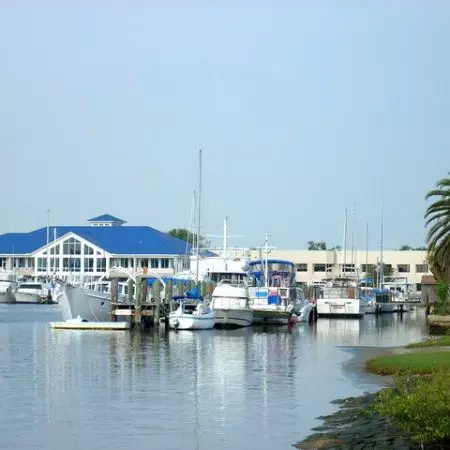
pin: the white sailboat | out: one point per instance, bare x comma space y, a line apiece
193, 313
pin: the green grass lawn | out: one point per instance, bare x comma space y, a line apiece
410, 363
442, 341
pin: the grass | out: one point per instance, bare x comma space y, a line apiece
420, 406
443, 341
410, 363
419, 403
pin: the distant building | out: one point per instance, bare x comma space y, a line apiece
315, 265
92, 250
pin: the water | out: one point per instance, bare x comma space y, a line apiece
241, 389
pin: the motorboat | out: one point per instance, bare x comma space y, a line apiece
230, 302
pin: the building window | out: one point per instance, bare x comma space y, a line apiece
72, 246
348, 268
42, 264
54, 264
88, 250
71, 264
302, 267
89, 264
143, 262
320, 267
124, 262
419, 287
101, 265
3, 263
54, 250
403, 268
21, 263
31, 263
421, 268
164, 263
154, 263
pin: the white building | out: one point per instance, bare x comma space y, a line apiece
91, 250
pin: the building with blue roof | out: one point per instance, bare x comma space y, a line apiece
93, 249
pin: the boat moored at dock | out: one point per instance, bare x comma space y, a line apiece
230, 302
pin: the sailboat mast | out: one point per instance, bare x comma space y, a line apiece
381, 272
367, 250
199, 211
266, 268
344, 268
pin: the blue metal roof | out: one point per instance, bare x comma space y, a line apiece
106, 218
128, 240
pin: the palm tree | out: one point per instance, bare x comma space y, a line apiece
438, 237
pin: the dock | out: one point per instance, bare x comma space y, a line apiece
79, 325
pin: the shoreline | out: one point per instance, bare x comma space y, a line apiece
349, 427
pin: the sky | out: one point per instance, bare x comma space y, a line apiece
303, 109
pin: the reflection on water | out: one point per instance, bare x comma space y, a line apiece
251, 388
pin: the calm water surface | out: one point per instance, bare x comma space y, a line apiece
254, 388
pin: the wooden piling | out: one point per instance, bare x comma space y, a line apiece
114, 298
157, 293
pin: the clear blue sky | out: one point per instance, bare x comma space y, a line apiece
302, 108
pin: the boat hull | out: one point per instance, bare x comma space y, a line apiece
191, 322
305, 313
233, 318
271, 316
28, 297
341, 307
89, 305
7, 296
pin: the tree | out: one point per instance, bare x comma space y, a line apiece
408, 247
185, 235
320, 245
438, 238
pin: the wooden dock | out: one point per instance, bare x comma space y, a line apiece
100, 326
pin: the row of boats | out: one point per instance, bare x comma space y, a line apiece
265, 292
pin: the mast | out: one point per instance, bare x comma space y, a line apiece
48, 241
344, 268
225, 219
354, 238
381, 272
367, 249
199, 211
266, 268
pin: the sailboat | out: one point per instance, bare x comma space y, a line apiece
193, 313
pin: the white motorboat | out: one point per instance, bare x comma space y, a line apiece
31, 292
8, 286
273, 294
339, 297
230, 302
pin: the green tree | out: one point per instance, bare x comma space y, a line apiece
185, 235
320, 245
438, 238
